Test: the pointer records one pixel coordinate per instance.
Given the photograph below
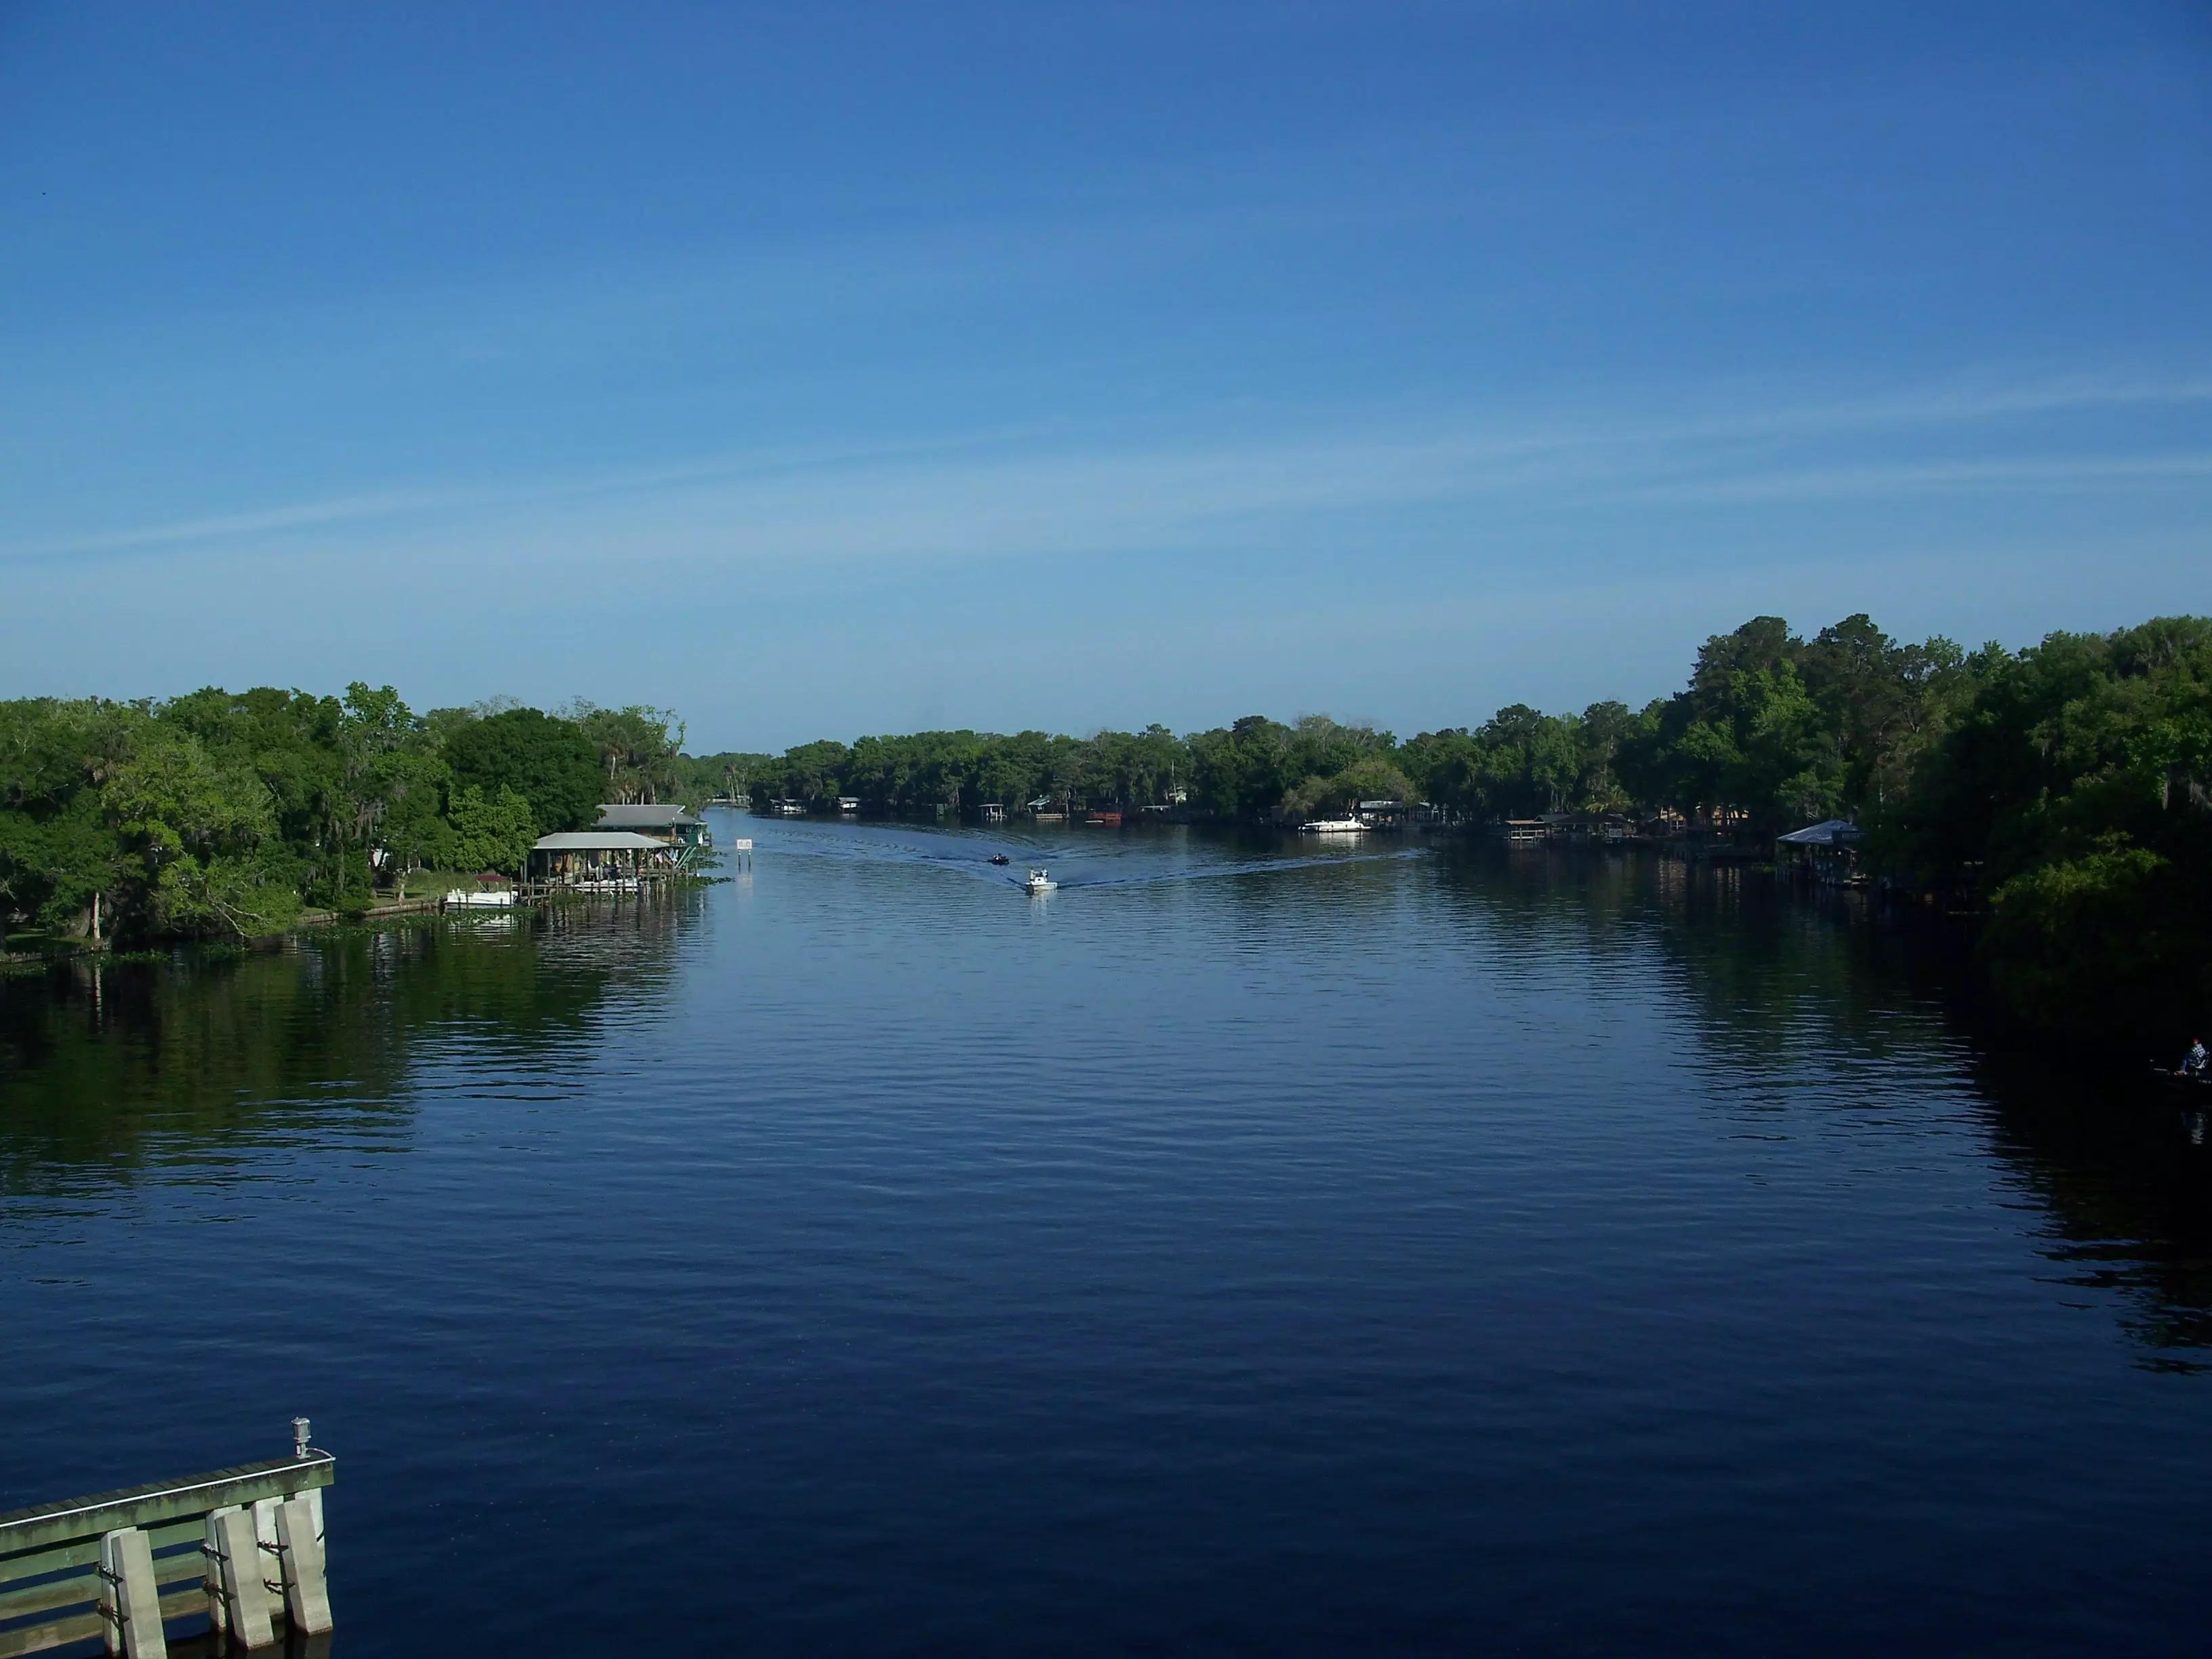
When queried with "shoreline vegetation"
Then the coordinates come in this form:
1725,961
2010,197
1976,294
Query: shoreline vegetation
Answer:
2062,793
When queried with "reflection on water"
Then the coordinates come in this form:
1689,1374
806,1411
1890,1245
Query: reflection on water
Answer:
1397,1247
1781,977
110,1070
2125,1181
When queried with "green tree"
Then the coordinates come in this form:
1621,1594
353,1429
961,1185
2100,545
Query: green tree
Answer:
60,859
2074,788
494,832
200,835
640,751
1606,736
548,762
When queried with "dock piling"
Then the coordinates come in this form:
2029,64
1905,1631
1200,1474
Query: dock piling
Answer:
112,1566
130,1604
212,1552
245,1591
307,1593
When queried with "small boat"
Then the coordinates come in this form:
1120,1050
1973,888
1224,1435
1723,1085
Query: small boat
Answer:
1038,882
1000,858
1334,827
493,898
2188,1083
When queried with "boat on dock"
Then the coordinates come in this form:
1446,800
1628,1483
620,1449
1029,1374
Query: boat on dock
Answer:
490,898
1353,826
1038,882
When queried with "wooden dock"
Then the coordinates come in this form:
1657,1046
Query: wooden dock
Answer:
238,1553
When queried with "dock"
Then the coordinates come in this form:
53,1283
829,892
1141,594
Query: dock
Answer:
237,1554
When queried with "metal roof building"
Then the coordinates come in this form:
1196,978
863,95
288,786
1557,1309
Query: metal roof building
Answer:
1826,851
614,816
598,841
1829,832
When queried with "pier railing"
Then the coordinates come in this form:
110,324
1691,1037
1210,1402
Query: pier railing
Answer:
242,1547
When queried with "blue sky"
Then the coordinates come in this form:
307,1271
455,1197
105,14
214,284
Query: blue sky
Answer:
817,370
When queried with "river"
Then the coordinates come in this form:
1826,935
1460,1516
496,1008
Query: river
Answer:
1244,1247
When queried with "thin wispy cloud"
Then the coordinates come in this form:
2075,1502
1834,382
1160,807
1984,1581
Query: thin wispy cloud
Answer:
2044,475
1011,490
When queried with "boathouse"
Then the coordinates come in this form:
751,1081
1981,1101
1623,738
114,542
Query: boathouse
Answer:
600,862
1827,852
670,825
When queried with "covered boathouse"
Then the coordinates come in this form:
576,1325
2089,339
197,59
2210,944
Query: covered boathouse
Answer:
600,862
1826,851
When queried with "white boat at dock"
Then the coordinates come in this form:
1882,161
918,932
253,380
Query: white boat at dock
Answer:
1038,882
495,898
1333,826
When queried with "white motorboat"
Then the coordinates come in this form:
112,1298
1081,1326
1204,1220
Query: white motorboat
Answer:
1334,827
1038,882
493,898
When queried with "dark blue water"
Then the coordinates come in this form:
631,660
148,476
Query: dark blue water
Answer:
1238,1250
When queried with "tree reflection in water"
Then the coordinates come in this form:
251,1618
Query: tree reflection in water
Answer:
113,1071
1789,984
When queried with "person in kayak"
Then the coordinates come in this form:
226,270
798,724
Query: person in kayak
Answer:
2192,1063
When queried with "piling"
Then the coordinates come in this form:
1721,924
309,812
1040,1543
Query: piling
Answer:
240,1551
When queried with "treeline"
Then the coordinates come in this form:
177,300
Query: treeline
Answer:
2062,788
1771,730
222,813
